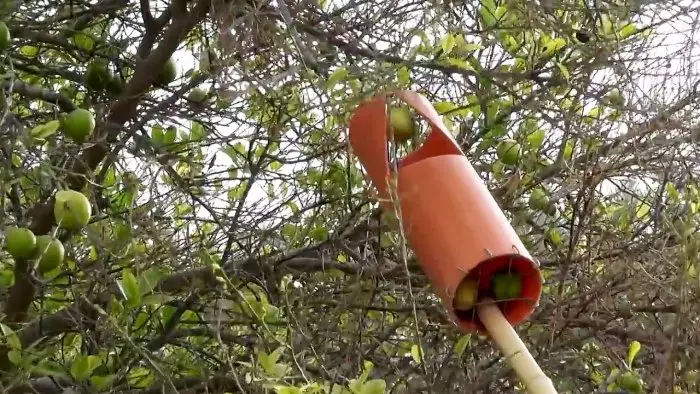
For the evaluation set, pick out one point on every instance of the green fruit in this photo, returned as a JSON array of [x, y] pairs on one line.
[[466, 295], [168, 73], [49, 253], [614, 98], [197, 95], [5, 38], [538, 200], [20, 242], [631, 382], [97, 75], [507, 286], [72, 209], [402, 125], [78, 125], [508, 152]]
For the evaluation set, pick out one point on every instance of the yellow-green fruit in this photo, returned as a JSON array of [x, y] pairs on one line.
[[507, 286], [78, 125], [508, 152], [402, 124], [20, 242], [4, 36], [197, 95], [168, 73], [97, 75], [466, 295], [72, 209], [614, 98], [538, 200], [49, 253]]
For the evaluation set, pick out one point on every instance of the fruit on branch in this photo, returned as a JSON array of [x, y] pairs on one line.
[[508, 151], [538, 200], [507, 286], [20, 242], [49, 253], [78, 125], [197, 95], [168, 73], [614, 98], [466, 295], [402, 124], [72, 209], [97, 75], [5, 38]]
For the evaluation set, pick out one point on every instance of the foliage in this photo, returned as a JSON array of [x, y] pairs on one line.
[[234, 244]]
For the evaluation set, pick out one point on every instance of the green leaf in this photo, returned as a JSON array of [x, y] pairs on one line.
[[170, 135], [563, 70], [84, 41], [672, 192], [555, 236], [374, 386], [197, 131], [319, 234], [269, 361], [158, 135], [337, 76], [488, 12], [129, 287], [287, 390], [444, 106], [462, 344], [553, 46], [367, 367], [416, 353], [628, 30], [29, 50], [44, 130], [469, 47], [404, 75], [102, 383], [83, 366], [606, 24], [11, 337], [447, 43], [459, 63], [643, 209], [15, 357], [634, 348], [536, 139]]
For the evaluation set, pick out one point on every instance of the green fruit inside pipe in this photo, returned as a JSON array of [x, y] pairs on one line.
[[507, 286]]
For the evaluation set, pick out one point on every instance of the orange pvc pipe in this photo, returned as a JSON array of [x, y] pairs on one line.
[[450, 219]]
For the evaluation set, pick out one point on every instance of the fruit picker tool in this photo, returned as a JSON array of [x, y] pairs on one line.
[[454, 226]]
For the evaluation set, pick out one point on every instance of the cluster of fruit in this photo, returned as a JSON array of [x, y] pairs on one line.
[[72, 211], [504, 286]]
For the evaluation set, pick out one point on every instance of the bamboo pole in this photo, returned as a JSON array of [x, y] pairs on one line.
[[516, 353]]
